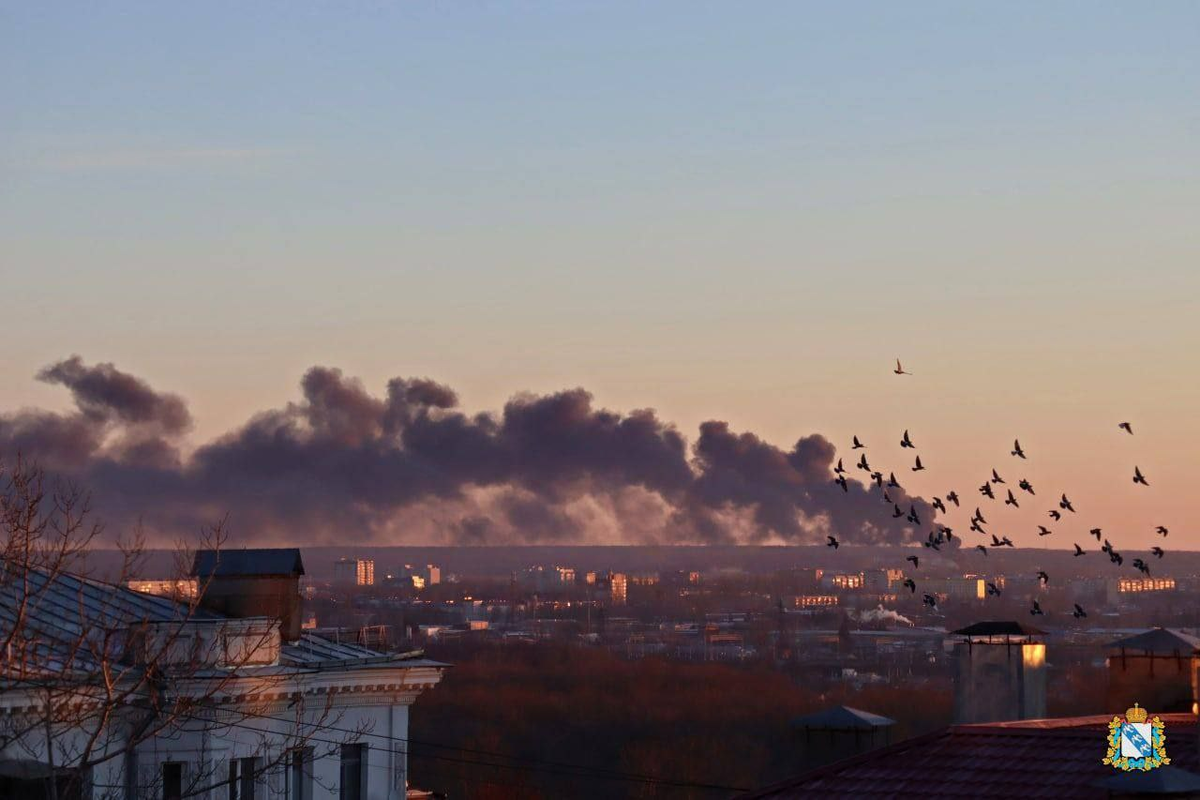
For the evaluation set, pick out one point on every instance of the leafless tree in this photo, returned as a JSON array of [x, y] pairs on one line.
[[88, 672]]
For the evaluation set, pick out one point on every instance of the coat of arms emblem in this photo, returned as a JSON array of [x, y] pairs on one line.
[[1136, 742]]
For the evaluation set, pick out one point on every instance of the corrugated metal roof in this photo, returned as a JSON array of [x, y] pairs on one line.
[[248, 562], [1038, 759]]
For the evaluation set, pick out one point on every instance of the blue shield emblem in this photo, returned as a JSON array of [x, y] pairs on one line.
[[1137, 742]]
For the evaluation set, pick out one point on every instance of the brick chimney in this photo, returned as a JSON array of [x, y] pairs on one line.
[[1000, 673], [252, 583]]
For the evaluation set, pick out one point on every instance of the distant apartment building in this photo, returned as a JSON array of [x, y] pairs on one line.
[[566, 575], [843, 581], [813, 600], [882, 580], [354, 572], [619, 588], [433, 575], [644, 579], [182, 589], [1121, 590]]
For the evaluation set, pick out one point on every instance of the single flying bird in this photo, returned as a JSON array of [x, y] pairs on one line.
[[939, 505], [1125, 426], [1017, 451], [986, 491], [897, 513], [1065, 504], [899, 370], [930, 601], [993, 590], [996, 477], [911, 585], [918, 466], [978, 516], [1141, 566], [1161, 530], [906, 442], [833, 542], [892, 480], [1138, 477], [981, 549], [1037, 609], [1078, 613], [1095, 532], [1027, 486], [1055, 515], [839, 469], [857, 444], [916, 561], [977, 528], [1044, 531], [912, 516], [1011, 501], [862, 463], [1158, 551], [878, 478], [952, 496], [1078, 551], [840, 480]]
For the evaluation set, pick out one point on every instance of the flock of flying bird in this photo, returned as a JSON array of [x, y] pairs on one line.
[[941, 534]]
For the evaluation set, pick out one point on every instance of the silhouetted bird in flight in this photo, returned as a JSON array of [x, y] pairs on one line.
[[978, 517], [1078, 613], [996, 477], [977, 528], [857, 444], [1078, 550], [1011, 501], [986, 491], [1162, 530], [1095, 532], [1158, 551], [949, 533], [1138, 477], [906, 442], [1116, 558], [1027, 486], [939, 505], [993, 590], [1017, 451], [899, 370], [933, 541], [1006, 542], [833, 542], [981, 549], [897, 513], [1055, 515], [887, 498], [862, 463], [952, 496], [839, 469], [1141, 566], [1044, 531], [878, 478], [892, 480], [911, 585], [840, 480], [996, 541], [1065, 504], [1125, 426], [1107, 548], [930, 601], [918, 466], [912, 516], [916, 561], [1043, 577], [1036, 610]]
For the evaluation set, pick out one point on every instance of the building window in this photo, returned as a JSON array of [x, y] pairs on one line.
[[354, 772], [172, 780], [300, 774], [243, 773]]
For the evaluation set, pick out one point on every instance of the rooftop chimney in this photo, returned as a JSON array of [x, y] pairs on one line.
[[252, 583], [1000, 673]]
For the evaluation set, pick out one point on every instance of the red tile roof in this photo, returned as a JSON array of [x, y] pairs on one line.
[[1054, 758]]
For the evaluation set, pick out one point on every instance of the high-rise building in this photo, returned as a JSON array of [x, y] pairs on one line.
[[433, 575], [619, 590], [354, 571]]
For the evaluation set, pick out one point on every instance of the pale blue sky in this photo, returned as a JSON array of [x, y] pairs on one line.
[[719, 210]]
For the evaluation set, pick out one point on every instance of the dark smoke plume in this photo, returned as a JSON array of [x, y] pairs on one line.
[[345, 465]]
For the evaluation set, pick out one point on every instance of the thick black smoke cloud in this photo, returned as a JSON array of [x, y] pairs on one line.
[[345, 465]]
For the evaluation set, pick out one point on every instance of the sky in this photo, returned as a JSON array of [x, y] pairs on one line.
[[717, 211]]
